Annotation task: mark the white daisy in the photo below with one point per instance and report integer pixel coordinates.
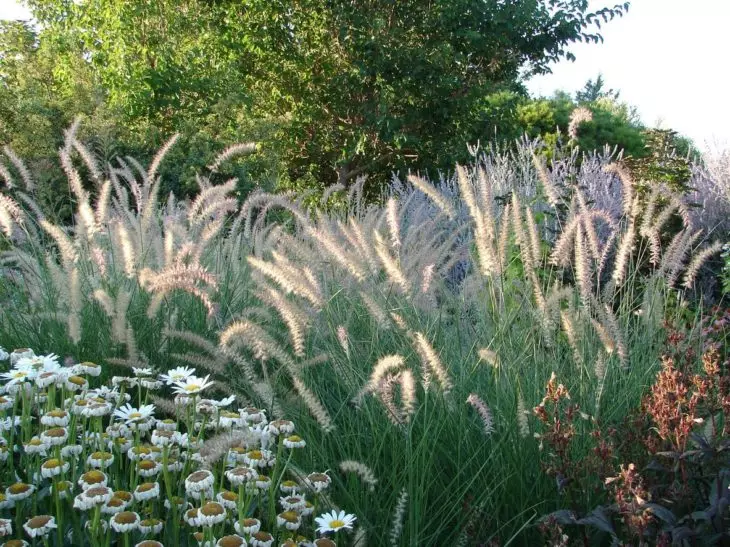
(261, 539)
(39, 526)
(141, 372)
(20, 353)
(178, 374)
(192, 385)
(150, 526)
(87, 367)
(294, 441)
(56, 418)
(19, 491)
(53, 468)
(199, 481)
(289, 520)
(132, 415)
(6, 525)
(147, 491)
(125, 521)
(334, 522)
(211, 514)
(98, 495)
(318, 481)
(247, 526)
(92, 478)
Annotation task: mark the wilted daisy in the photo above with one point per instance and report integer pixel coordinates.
(199, 481)
(143, 372)
(150, 526)
(92, 478)
(76, 383)
(63, 488)
(262, 482)
(53, 468)
(227, 499)
(98, 495)
(289, 486)
(114, 506)
(87, 367)
(324, 542)
(240, 475)
(253, 415)
(211, 513)
(247, 526)
(37, 446)
(334, 522)
(231, 541)
(39, 526)
(19, 491)
(46, 379)
(71, 450)
(96, 409)
(292, 503)
(124, 381)
(125, 521)
(192, 518)
(6, 526)
(148, 468)
(100, 460)
(150, 383)
(289, 520)
(147, 491)
(5, 402)
(55, 418)
(149, 543)
(294, 441)
(284, 427)
(318, 481)
(55, 436)
(261, 539)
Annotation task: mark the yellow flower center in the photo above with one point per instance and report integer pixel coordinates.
(192, 387)
(38, 522)
(123, 495)
(125, 517)
(146, 465)
(290, 516)
(93, 477)
(146, 487)
(337, 524)
(212, 509)
(19, 488)
(56, 432)
(230, 541)
(135, 415)
(77, 380)
(51, 464)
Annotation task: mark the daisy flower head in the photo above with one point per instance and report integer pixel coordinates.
(289, 520)
(114, 506)
(64, 488)
(179, 374)
(20, 353)
(87, 367)
(40, 363)
(147, 491)
(227, 499)
(6, 527)
(334, 522)
(55, 418)
(324, 542)
(149, 543)
(240, 475)
(285, 427)
(151, 526)
(100, 460)
(192, 385)
(143, 372)
(37, 445)
(125, 521)
(199, 481)
(247, 526)
(92, 478)
(39, 526)
(132, 415)
(293, 503)
(17, 376)
(318, 481)
(294, 441)
(53, 468)
(231, 541)
(98, 495)
(211, 513)
(76, 383)
(19, 491)
(261, 539)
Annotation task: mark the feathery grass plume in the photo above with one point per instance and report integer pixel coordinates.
(490, 356)
(291, 284)
(201, 361)
(535, 240)
(99, 258)
(378, 314)
(504, 231)
(427, 277)
(484, 412)
(218, 446)
(599, 369)
(561, 253)
(399, 321)
(295, 320)
(88, 159)
(390, 264)
(609, 320)
(609, 345)
(133, 354)
(119, 320)
(408, 393)
(483, 237)
(7, 176)
(623, 255)
(579, 116)
(588, 227)
(185, 277)
(393, 222)
(386, 393)
(679, 248)
(434, 195)
(304, 275)
(210, 201)
(354, 235)
(21, 168)
(313, 404)
(331, 189)
(396, 527)
(105, 301)
(163, 405)
(343, 339)
(259, 199)
(193, 339)
(59, 277)
(627, 186)
(157, 160)
(10, 215)
(244, 364)
(523, 424)
(431, 362)
(232, 151)
(65, 245)
(255, 339)
(570, 333)
(331, 246)
(361, 470)
(583, 271)
(74, 312)
(697, 262)
(127, 248)
(389, 364)
(543, 175)
(649, 210)
(155, 305)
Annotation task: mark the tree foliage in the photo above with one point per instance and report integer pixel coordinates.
(332, 89)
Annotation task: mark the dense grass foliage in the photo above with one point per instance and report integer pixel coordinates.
(412, 337)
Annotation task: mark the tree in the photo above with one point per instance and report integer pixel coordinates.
(346, 87)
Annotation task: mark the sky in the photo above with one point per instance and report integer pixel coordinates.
(666, 57)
